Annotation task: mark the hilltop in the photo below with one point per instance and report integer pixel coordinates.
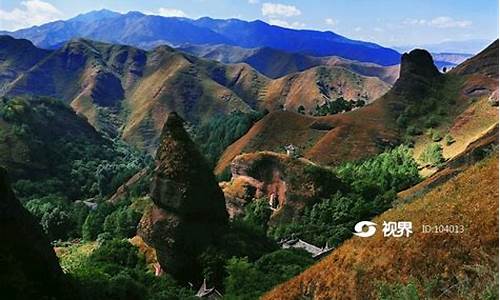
(17, 56)
(314, 86)
(422, 107)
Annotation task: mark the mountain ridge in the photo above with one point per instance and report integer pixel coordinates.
(275, 63)
(126, 91)
(148, 31)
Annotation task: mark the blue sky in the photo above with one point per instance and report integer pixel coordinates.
(388, 22)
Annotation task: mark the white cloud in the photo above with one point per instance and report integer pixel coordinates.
(331, 22)
(253, 1)
(171, 12)
(29, 13)
(448, 22)
(415, 22)
(439, 22)
(277, 9)
(283, 23)
(358, 29)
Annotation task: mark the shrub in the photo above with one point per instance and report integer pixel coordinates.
(398, 292)
(301, 110)
(449, 139)
(339, 105)
(436, 136)
(433, 155)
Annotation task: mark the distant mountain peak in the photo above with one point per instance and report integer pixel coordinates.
(135, 13)
(148, 31)
(96, 15)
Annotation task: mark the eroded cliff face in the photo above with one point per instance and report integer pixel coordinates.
(29, 266)
(189, 213)
(287, 183)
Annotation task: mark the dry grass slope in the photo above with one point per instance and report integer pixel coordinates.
(462, 264)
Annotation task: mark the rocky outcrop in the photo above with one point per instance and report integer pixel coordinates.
(29, 266)
(188, 212)
(416, 73)
(287, 183)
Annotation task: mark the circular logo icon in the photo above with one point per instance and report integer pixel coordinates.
(361, 231)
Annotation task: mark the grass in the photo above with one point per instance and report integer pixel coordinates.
(464, 266)
(73, 257)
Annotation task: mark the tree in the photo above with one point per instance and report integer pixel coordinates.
(116, 251)
(244, 281)
(122, 222)
(257, 214)
(57, 223)
(55, 216)
(94, 222)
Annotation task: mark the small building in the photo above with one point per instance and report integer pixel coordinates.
(208, 293)
(291, 150)
(316, 252)
(89, 203)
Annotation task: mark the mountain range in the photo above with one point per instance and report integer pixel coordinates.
(276, 63)
(329, 140)
(148, 31)
(472, 46)
(123, 90)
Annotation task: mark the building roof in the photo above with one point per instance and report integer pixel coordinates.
(203, 291)
(315, 251)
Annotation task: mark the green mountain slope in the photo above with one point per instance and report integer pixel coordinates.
(127, 92)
